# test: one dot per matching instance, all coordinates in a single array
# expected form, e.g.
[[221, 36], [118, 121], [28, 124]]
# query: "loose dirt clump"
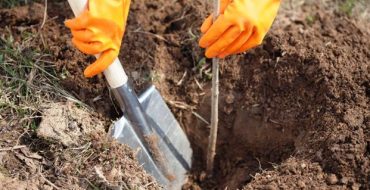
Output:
[[68, 124]]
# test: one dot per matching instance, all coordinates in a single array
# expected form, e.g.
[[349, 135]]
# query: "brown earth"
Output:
[[71, 152], [294, 112]]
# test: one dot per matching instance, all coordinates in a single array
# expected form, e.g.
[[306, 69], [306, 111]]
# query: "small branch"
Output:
[[12, 148], [151, 34], [200, 117], [51, 184], [45, 14], [180, 105], [199, 85], [149, 184], [182, 78], [211, 150], [86, 146]]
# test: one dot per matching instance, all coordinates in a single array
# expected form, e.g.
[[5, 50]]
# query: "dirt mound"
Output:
[[78, 155], [305, 94], [294, 112], [295, 174]]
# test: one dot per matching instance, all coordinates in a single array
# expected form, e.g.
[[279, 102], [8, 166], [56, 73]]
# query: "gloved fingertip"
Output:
[[76, 43], [102, 63], [88, 73], [203, 42], [203, 29], [222, 56], [210, 55], [207, 24], [67, 23], [72, 24]]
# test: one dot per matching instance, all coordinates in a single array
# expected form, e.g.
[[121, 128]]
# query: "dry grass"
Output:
[[27, 80]]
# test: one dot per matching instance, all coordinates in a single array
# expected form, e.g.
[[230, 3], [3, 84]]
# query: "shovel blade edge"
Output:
[[172, 142]]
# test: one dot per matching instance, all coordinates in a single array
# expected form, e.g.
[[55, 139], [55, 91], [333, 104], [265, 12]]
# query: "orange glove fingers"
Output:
[[253, 41], [78, 23], [107, 28], [91, 48], [252, 17], [237, 44], [223, 42], [209, 20], [101, 63], [99, 30], [206, 24], [224, 4], [215, 32], [82, 35]]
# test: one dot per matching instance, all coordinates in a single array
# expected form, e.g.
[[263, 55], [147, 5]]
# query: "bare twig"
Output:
[[200, 117], [86, 146], [45, 14], [12, 148], [259, 165], [47, 181], [151, 34], [211, 151], [199, 85], [182, 78], [20, 136], [149, 184], [180, 105]]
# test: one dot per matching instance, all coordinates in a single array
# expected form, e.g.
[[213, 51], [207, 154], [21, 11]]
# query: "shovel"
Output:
[[148, 126]]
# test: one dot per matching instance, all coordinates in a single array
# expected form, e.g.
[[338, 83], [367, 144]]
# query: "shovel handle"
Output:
[[118, 81], [114, 74]]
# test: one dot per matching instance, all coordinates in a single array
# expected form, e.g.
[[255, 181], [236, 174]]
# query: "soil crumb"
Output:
[[152, 141]]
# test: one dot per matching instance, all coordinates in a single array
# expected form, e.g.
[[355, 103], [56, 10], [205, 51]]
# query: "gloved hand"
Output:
[[241, 25], [99, 30]]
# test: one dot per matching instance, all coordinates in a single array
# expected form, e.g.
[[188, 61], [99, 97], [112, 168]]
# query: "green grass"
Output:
[[28, 79], [204, 69], [13, 3], [310, 19], [347, 6]]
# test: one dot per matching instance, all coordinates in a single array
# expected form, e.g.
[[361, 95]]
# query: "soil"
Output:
[[72, 153], [294, 111], [152, 142], [67, 124]]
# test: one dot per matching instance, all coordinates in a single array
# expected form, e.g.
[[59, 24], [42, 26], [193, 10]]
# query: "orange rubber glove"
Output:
[[99, 30], [241, 25]]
